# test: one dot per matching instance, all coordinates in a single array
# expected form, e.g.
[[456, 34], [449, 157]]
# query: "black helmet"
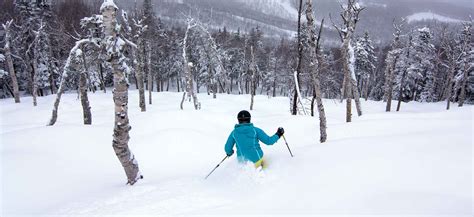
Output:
[[243, 117]]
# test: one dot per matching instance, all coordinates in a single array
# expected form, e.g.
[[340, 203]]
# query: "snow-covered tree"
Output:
[[313, 41], [8, 56], [152, 45], [73, 63], [403, 72], [210, 64], [465, 76], [135, 29], [235, 63], [114, 47], [456, 52], [424, 65], [391, 64], [92, 26], [364, 63], [350, 17], [36, 47], [253, 74], [187, 65]]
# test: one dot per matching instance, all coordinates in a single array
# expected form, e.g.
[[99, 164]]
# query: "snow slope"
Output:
[[279, 8], [428, 16], [415, 162]]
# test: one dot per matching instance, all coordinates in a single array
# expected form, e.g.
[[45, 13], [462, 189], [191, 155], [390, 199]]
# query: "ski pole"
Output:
[[287, 145], [216, 167]]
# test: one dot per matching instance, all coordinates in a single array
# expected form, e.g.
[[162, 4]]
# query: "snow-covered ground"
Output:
[[415, 162], [428, 16]]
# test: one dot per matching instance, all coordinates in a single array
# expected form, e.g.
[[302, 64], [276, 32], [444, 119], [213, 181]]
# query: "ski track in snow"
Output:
[[417, 161]]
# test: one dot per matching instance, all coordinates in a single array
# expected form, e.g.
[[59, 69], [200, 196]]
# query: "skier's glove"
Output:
[[230, 154], [280, 131]]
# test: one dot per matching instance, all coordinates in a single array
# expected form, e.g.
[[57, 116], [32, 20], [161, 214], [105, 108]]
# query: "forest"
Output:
[[53, 47], [421, 64]]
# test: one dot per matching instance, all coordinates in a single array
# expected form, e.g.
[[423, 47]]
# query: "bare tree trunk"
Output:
[[389, 81], [315, 69], [187, 67], [300, 57], [150, 75], [313, 100], [449, 89], [298, 93], [35, 79], [253, 80], [182, 101], [139, 75], [366, 88], [52, 81], [350, 17], [462, 95], [348, 85], [400, 91], [120, 94], [356, 96], [86, 108], [343, 88], [8, 56], [101, 75], [62, 85]]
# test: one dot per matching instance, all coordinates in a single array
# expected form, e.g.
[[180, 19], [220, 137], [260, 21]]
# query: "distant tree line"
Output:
[[42, 32]]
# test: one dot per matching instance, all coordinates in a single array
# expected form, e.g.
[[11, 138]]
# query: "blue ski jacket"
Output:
[[245, 136]]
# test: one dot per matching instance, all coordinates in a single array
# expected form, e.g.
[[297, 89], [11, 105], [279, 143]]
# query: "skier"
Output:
[[245, 136]]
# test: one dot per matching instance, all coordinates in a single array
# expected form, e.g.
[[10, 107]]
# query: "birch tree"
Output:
[[135, 29], [71, 63], [8, 56], [315, 70], [467, 63], [253, 75], [402, 85], [114, 46], [187, 69], [350, 17], [77, 60], [403, 81], [300, 58], [391, 62], [84, 74], [150, 34], [139, 63], [454, 52]]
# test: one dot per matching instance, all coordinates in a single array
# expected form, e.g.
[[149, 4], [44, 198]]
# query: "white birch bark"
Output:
[[315, 71], [86, 108], [467, 63], [350, 17], [65, 74], [392, 59], [35, 78], [298, 93], [150, 75], [139, 75], [462, 95], [187, 68], [114, 46], [252, 78], [8, 56]]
